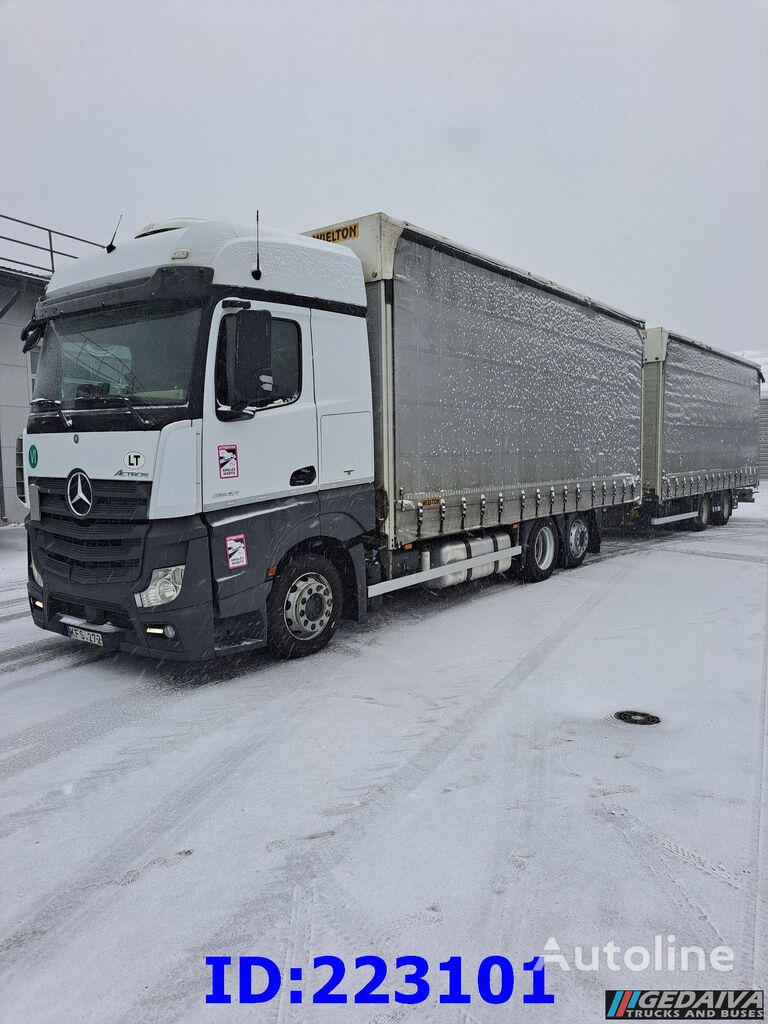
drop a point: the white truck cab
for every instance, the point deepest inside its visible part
(191, 424)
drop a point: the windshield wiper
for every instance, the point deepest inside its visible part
(54, 405)
(114, 402)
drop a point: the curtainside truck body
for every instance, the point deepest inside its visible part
(700, 430)
(237, 438)
(499, 398)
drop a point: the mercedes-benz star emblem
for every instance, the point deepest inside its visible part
(79, 493)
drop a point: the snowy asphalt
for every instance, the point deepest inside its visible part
(446, 780)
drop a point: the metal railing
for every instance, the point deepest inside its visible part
(49, 237)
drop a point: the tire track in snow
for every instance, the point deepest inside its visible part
(122, 763)
(179, 989)
(749, 559)
(159, 687)
(54, 912)
(13, 616)
(633, 829)
(645, 846)
(43, 652)
(19, 581)
(37, 744)
(70, 663)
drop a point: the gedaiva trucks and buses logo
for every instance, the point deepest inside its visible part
(684, 1004)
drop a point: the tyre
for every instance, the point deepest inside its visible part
(702, 520)
(576, 541)
(304, 606)
(541, 547)
(721, 518)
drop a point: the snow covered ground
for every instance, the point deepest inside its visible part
(446, 780)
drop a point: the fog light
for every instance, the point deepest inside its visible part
(164, 586)
(166, 631)
(37, 604)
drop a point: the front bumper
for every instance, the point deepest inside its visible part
(109, 608)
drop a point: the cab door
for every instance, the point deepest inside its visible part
(272, 454)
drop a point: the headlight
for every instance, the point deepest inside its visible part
(35, 574)
(165, 586)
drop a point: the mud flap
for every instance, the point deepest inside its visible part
(595, 531)
(358, 605)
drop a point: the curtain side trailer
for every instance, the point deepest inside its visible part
(700, 431)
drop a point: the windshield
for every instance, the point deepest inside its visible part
(142, 355)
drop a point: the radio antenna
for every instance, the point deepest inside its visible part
(256, 274)
(111, 247)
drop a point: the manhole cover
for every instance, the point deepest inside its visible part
(637, 718)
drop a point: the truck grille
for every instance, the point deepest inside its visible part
(104, 547)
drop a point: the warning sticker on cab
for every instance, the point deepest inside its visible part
(237, 552)
(228, 464)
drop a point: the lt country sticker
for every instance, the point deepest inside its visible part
(237, 552)
(229, 467)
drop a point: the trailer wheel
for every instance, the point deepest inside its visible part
(540, 554)
(721, 518)
(304, 606)
(701, 522)
(576, 542)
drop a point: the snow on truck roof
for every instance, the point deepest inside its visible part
(718, 352)
(290, 264)
(655, 349)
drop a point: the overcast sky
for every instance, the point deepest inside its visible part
(619, 147)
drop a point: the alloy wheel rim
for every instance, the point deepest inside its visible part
(308, 605)
(578, 538)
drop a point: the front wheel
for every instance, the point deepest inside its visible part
(540, 554)
(304, 606)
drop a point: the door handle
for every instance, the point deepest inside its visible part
(302, 477)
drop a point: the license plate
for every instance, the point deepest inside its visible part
(88, 635)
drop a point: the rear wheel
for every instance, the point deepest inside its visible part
(702, 520)
(540, 551)
(576, 542)
(304, 606)
(721, 518)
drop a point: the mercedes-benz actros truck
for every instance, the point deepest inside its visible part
(236, 440)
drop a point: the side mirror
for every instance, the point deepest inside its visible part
(253, 352)
(32, 334)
